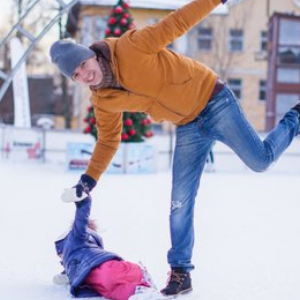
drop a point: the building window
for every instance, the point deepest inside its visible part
(204, 39)
(284, 102)
(236, 43)
(288, 75)
(289, 32)
(262, 90)
(264, 41)
(236, 86)
(289, 55)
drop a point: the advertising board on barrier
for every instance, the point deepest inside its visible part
(22, 145)
(133, 158)
(130, 158)
(78, 155)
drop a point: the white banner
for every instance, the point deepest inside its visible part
(20, 86)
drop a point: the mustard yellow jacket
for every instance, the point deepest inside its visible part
(166, 85)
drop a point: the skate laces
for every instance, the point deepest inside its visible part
(175, 277)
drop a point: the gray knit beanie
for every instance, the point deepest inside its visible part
(68, 56)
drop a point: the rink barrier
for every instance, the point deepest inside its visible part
(38, 145)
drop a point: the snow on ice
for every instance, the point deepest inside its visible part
(247, 228)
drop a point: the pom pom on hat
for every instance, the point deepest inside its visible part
(68, 55)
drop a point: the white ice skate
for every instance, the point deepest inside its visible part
(60, 279)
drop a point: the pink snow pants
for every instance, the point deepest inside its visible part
(115, 279)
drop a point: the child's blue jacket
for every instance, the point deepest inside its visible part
(82, 250)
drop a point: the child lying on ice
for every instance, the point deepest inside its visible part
(94, 271)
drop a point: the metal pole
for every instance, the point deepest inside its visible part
(64, 84)
(47, 27)
(268, 8)
(19, 34)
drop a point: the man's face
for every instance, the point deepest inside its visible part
(88, 72)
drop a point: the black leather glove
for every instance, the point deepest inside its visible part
(85, 184)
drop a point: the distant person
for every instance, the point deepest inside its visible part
(138, 73)
(92, 270)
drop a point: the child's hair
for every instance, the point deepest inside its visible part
(92, 224)
(59, 243)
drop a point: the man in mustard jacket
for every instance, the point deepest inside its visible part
(137, 73)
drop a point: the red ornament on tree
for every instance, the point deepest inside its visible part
(107, 31)
(124, 137)
(128, 122)
(126, 15)
(148, 134)
(117, 31)
(118, 9)
(146, 122)
(132, 132)
(88, 129)
(126, 5)
(123, 22)
(131, 26)
(112, 20)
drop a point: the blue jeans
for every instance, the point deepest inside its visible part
(221, 120)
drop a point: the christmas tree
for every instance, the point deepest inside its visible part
(91, 122)
(136, 126)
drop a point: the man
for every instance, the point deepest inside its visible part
(137, 73)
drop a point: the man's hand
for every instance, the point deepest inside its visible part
(85, 184)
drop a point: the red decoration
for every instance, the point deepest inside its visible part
(148, 134)
(131, 26)
(146, 122)
(117, 31)
(112, 20)
(93, 121)
(107, 31)
(126, 5)
(132, 132)
(126, 15)
(88, 129)
(118, 9)
(123, 22)
(124, 137)
(128, 122)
